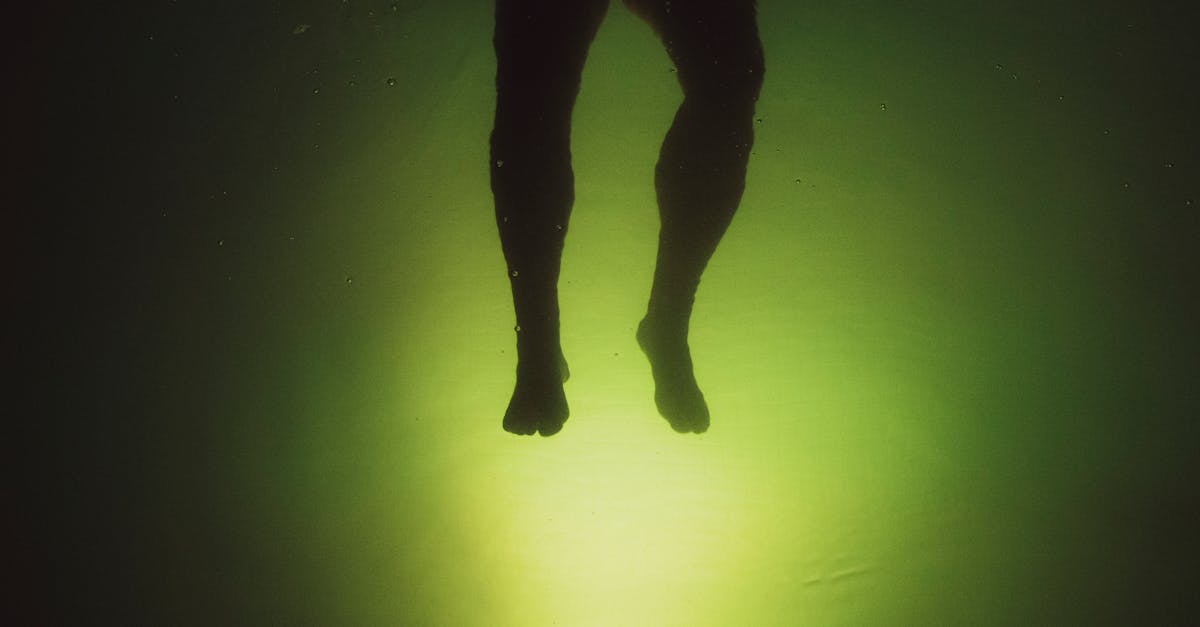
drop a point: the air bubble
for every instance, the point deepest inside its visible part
(349, 280)
(316, 90)
(517, 328)
(1169, 164)
(391, 82)
(513, 274)
(500, 163)
(883, 106)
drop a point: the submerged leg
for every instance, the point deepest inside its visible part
(700, 177)
(540, 50)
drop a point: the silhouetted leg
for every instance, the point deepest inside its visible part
(540, 50)
(700, 176)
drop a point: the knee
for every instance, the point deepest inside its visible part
(739, 79)
(731, 80)
(533, 113)
(743, 81)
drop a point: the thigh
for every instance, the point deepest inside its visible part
(714, 43)
(543, 43)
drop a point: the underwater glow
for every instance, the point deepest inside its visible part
(948, 342)
(604, 528)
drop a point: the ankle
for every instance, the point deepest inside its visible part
(660, 327)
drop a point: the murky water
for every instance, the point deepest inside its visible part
(948, 343)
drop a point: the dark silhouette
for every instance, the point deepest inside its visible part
(541, 46)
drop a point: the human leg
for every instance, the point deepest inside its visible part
(699, 177)
(540, 50)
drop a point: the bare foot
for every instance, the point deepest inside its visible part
(538, 404)
(676, 393)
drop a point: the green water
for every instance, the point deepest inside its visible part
(948, 343)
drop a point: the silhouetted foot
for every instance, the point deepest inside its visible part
(538, 404)
(676, 393)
